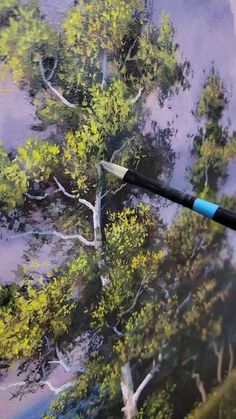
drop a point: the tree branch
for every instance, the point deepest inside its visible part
(87, 203)
(117, 152)
(127, 387)
(53, 70)
(62, 189)
(231, 358)
(136, 98)
(198, 246)
(139, 292)
(127, 58)
(200, 386)
(104, 70)
(69, 195)
(57, 234)
(64, 362)
(219, 354)
(54, 389)
(115, 191)
(41, 197)
(184, 303)
(57, 390)
(18, 384)
(114, 328)
(206, 174)
(149, 376)
(49, 85)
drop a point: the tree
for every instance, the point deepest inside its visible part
(94, 32)
(152, 60)
(103, 107)
(213, 145)
(24, 41)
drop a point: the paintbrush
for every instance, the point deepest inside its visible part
(206, 208)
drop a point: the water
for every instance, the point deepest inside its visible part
(206, 32)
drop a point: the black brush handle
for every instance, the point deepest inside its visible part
(225, 217)
(206, 208)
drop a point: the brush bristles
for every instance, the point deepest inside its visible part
(114, 169)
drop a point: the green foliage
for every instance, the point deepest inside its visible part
(105, 23)
(106, 116)
(155, 64)
(30, 313)
(128, 231)
(213, 146)
(213, 98)
(221, 402)
(81, 270)
(87, 390)
(13, 182)
(128, 264)
(24, 42)
(52, 111)
(148, 331)
(111, 108)
(193, 242)
(7, 8)
(157, 405)
(94, 26)
(38, 158)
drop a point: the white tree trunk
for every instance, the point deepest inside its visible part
(130, 398)
(231, 358)
(130, 407)
(97, 225)
(220, 355)
(200, 386)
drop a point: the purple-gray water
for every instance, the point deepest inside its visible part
(206, 33)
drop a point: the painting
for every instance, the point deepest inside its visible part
(117, 209)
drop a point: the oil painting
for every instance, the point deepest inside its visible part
(117, 209)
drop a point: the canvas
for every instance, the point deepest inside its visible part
(115, 301)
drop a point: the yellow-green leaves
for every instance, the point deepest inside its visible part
(92, 27)
(158, 405)
(38, 158)
(111, 108)
(28, 314)
(129, 264)
(192, 242)
(24, 42)
(6, 9)
(213, 98)
(96, 25)
(110, 112)
(155, 63)
(13, 182)
(128, 231)
(213, 146)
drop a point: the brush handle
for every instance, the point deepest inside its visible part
(215, 212)
(206, 208)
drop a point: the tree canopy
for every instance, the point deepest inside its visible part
(154, 301)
